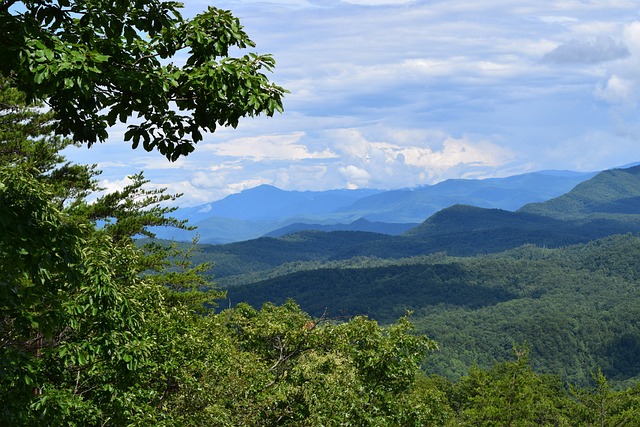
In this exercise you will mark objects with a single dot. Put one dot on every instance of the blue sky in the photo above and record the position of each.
(391, 93)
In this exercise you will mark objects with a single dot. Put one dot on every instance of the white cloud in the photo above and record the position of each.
(193, 195)
(466, 67)
(305, 177)
(110, 186)
(632, 37)
(204, 180)
(355, 176)
(621, 85)
(237, 187)
(412, 159)
(456, 151)
(264, 147)
(558, 19)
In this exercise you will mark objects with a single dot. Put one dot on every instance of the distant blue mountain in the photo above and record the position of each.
(266, 202)
(258, 211)
(503, 193)
(261, 210)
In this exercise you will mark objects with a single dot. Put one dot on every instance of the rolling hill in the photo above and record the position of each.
(576, 307)
(362, 224)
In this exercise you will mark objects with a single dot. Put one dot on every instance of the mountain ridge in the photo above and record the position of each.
(265, 209)
(459, 230)
(599, 195)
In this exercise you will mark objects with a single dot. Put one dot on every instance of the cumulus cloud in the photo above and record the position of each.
(194, 195)
(621, 84)
(600, 49)
(266, 147)
(208, 180)
(355, 176)
(456, 151)
(632, 36)
(237, 187)
(111, 186)
(426, 158)
(305, 177)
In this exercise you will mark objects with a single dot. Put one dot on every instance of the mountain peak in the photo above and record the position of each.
(261, 189)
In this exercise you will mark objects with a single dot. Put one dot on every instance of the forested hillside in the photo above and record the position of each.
(459, 230)
(575, 306)
(610, 194)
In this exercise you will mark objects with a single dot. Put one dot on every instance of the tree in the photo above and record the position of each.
(26, 138)
(99, 62)
(90, 338)
(310, 372)
(66, 310)
(86, 330)
(600, 406)
(511, 394)
(74, 296)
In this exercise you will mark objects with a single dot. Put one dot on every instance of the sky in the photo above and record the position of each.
(396, 93)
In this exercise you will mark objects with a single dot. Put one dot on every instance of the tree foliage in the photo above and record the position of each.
(576, 306)
(99, 62)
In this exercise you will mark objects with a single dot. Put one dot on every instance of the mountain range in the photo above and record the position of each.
(560, 276)
(604, 205)
(267, 210)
